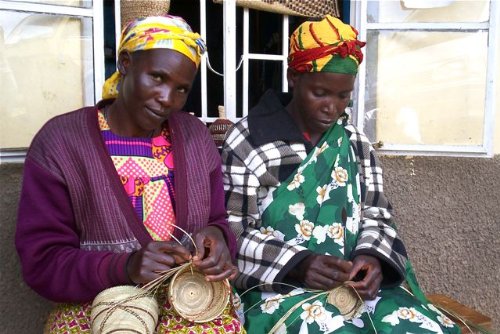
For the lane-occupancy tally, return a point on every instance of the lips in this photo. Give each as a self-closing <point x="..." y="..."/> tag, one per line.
<point x="325" y="122"/>
<point x="156" y="113"/>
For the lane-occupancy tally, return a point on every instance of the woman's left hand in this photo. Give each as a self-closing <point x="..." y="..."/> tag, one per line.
<point x="366" y="276"/>
<point x="213" y="257"/>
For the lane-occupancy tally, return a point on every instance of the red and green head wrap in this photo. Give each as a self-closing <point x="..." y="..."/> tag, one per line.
<point x="328" y="45"/>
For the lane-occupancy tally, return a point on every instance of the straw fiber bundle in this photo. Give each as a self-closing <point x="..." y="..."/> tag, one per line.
<point x="124" y="309"/>
<point x="132" y="9"/>
<point x="194" y="298"/>
<point x="308" y="8"/>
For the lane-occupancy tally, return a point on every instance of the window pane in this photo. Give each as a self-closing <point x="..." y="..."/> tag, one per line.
<point x="426" y="87"/>
<point x="411" y="11"/>
<point x="265" y="33"/>
<point x="46" y="66"/>
<point x="263" y="75"/>
<point x="72" y="3"/>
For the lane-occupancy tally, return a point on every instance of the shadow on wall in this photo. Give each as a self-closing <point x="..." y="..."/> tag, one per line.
<point x="22" y="310"/>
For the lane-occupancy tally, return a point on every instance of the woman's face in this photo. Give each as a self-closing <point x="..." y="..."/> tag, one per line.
<point x="155" y="83"/>
<point x="319" y="99"/>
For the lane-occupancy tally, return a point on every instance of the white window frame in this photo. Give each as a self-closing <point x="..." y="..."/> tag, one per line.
<point x="96" y="14"/>
<point x="359" y="14"/>
<point x="231" y="60"/>
<point x="230" y="66"/>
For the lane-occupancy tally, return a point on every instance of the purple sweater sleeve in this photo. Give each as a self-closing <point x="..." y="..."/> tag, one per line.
<point x="48" y="245"/>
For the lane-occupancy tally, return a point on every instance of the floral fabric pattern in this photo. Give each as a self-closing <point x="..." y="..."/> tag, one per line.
<point x="318" y="207"/>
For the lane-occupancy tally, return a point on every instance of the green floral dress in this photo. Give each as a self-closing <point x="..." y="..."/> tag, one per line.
<point x="318" y="207"/>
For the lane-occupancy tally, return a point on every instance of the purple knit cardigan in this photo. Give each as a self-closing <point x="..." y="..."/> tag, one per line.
<point x="76" y="226"/>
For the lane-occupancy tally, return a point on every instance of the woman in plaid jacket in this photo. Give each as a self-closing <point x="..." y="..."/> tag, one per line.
<point x="304" y="193"/>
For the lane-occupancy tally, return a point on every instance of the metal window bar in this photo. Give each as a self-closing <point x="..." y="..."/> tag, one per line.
<point x="247" y="56"/>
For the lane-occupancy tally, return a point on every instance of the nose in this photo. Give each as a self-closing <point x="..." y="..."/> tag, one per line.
<point x="165" y="97"/>
<point x="331" y="108"/>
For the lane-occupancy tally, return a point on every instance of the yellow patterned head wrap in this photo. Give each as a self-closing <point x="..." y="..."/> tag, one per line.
<point x="156" y="32"/>
<point x="328" y="45"/>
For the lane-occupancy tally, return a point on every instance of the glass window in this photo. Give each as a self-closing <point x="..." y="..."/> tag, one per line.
<point x="46" y="63"/>
<point x="428" y="11"/>
<point x="71" y="3"/>
<point x="425" y="86"/>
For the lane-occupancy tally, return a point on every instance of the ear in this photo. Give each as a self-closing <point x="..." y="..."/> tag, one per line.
<point x="124" y="61"/>
<point x="292" y="76"/>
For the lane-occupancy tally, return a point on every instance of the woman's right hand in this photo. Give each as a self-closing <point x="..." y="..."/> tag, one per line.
<point x="322" y="272"/>
<point x="149" y="262"/>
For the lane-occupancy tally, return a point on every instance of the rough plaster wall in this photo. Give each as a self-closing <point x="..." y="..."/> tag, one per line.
<point x="446" y="209"/>
<point x="21" y="310"/>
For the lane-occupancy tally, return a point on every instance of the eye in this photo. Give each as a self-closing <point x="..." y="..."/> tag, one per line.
<point x="319" y="92"/>
<point x="156" y="77"/>
<point x="183" y="90"/>
<point x="345" y="96"/>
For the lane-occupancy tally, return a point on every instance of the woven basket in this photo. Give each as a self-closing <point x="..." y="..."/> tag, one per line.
<point x="307" y="8"/>
<point x="346" y="301"/>
<point x="219" y="128"/>
<point x="124" y="309"/>
<point x="194" y="298"/>
<point x="132" y="9"/>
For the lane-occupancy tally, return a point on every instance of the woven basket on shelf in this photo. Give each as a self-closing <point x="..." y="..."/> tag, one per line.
<point x="196" y="299"/>
<point x="132" y="9"/>
<point x="308" y="8"/>
<point x="219" y="128"/>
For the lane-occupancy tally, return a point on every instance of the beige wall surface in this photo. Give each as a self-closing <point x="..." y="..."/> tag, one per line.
<point x="496" y="140"/>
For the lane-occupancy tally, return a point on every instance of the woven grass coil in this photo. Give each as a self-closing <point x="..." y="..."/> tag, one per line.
<point x="196" y="299"/>
<point x="132" y="9"/>
<point x="346" y="301"/>
<point x="307" y="8"/>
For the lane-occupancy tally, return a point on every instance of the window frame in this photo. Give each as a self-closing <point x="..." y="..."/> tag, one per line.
<point x="17" y="155"/>
<point x="359" y="19"/>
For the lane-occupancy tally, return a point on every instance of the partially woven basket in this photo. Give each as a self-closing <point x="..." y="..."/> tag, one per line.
<point x="346" y="301"/>
<point x="195" y="299"/>
<point x="132" y="9"/>
<point x="308" y="8"/>
<point x="124" y="309"/>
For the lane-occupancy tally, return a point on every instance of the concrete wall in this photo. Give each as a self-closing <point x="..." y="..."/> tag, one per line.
<point x="446" y="210"/>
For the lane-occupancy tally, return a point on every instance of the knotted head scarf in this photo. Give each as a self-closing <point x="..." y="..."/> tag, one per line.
<point x="156" y="32"/>
<point x="328" y="45"/>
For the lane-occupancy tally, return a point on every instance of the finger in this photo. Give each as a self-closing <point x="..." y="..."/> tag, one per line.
<point x="174" y="249"/>
<point x="321" y="282"/>
<point x="356" y="269"/>
<point x="333" y="274"/>
<point x="222" y="276"/>
<point x="341" y="264"/>
<point x="199" y="240"/>
<point x="215" y="259"/>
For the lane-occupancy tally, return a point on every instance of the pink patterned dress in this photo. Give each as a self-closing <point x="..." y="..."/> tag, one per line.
<point x="146" y="170"/>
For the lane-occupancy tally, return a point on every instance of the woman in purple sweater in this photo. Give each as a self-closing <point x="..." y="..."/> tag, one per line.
<point x="105" y="187"/>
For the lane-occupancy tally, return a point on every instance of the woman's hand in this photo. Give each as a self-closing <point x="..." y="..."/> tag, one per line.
<point x="366" y="276"/>
<point x="213" y="257"/>
<point x="149" y="262"/>
<point x="322" y="272"/>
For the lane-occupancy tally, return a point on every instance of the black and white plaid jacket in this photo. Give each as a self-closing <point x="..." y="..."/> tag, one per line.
<point x="260" y="152"/>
